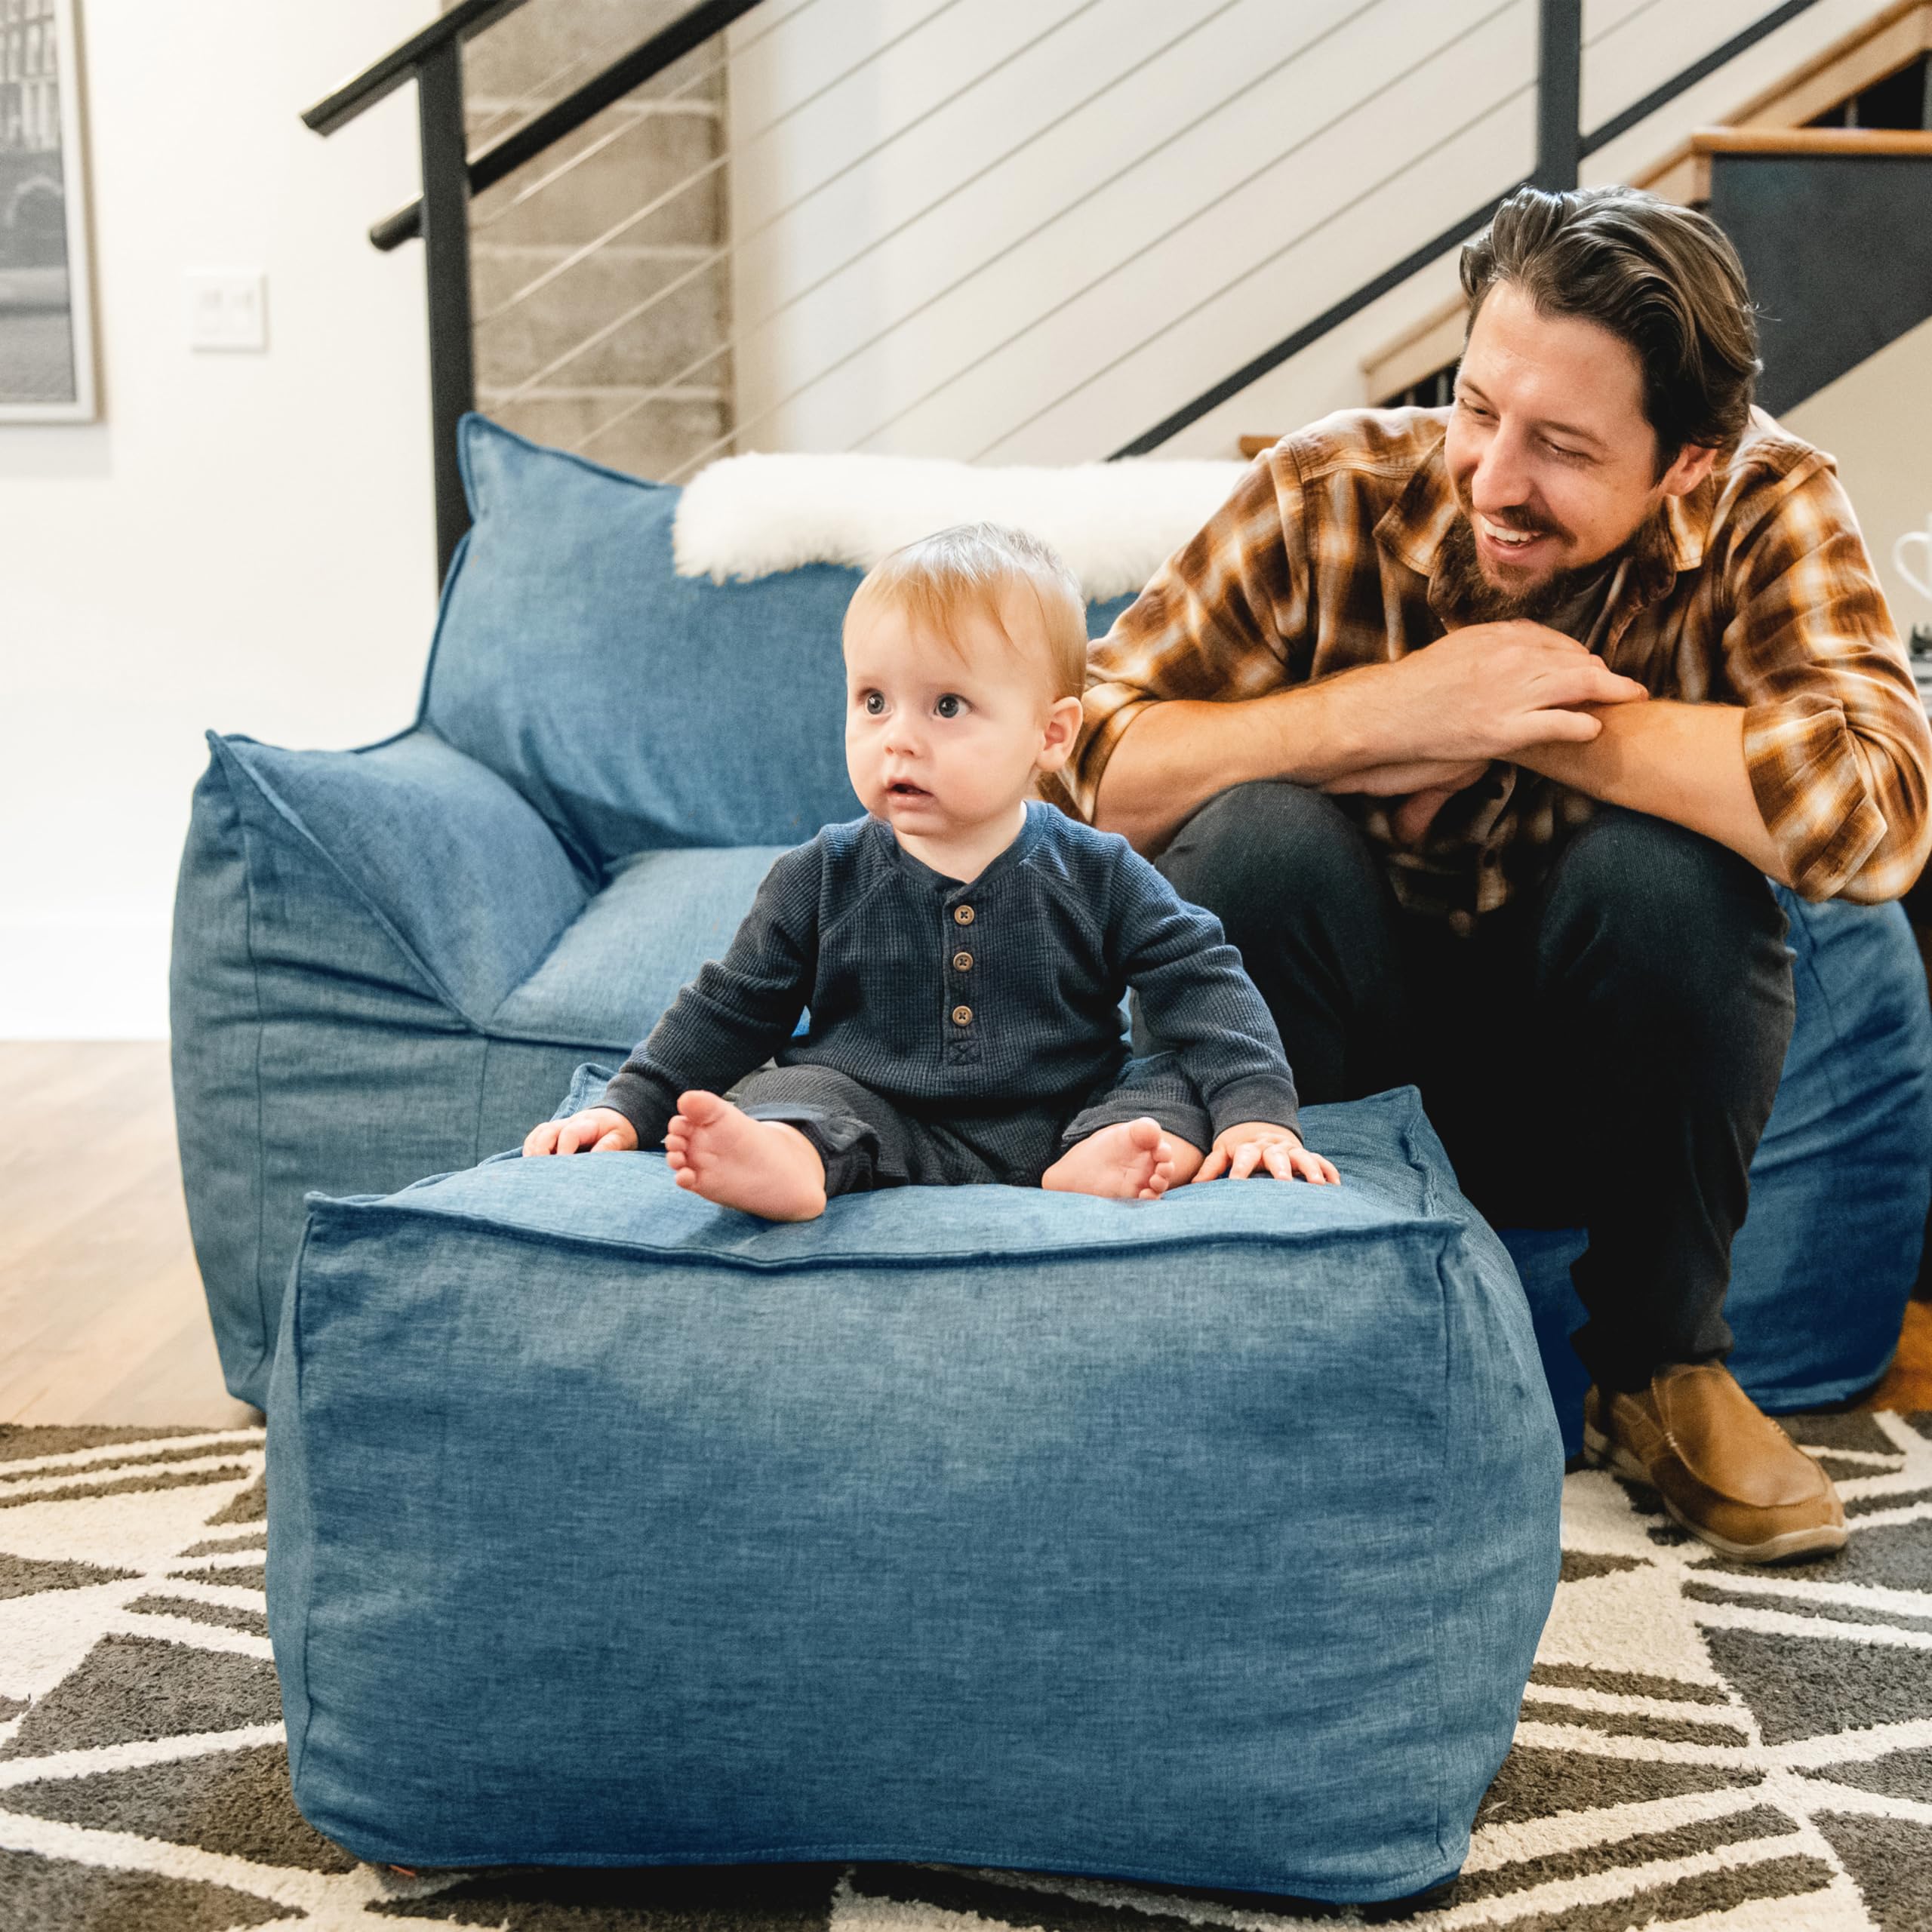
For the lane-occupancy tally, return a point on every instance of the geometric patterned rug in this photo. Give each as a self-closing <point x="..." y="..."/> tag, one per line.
<point x="1702" y="1746"/>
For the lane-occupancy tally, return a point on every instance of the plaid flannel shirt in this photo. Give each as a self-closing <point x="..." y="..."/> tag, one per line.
<point x="1755" y="590"/>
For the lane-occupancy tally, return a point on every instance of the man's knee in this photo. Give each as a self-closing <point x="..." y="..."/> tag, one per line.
<point x="1655" y="902"/>
<point x="1269" y="843"/>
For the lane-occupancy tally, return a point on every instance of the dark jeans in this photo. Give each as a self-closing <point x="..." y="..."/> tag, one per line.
<point x="1604" y="1052"/>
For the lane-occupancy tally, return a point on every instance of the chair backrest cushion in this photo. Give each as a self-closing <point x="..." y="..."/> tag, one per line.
<point x="636" y="710"/>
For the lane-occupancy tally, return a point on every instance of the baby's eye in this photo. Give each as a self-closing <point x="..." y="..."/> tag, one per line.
<point x="874" y="704"/>
<point x="950" y="704"/>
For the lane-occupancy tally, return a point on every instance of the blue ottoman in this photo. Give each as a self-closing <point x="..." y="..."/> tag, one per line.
<point x="1204" y="1541"/>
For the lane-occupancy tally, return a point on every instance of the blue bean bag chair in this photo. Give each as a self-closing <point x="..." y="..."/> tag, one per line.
<point x="388" y="961"/>
<point x="1205" y="1541"/>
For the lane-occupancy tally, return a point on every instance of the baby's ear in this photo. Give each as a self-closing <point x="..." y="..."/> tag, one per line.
<point x="1062" y="727"/>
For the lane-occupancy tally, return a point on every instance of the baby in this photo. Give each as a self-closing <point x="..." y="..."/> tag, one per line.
<point x="962" y="950"/>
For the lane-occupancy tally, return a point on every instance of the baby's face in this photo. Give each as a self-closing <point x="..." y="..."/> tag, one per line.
<point x="940" y="740"/>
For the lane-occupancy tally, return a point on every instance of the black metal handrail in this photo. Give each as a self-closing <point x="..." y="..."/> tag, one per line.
<point x="642" y="63"/>
<point x="400" y="64"/>
<point x="433" y="60"/>
<point x="1561" y="148"/>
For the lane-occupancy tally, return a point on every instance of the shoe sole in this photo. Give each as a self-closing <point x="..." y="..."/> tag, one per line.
<point x="1820" y="1541"/>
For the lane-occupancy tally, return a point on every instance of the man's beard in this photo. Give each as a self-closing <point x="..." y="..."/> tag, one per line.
<point x="1465" y="593"/>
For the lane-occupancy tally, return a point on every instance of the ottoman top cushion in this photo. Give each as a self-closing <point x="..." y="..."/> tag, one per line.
<point x="1395" y="1181"/>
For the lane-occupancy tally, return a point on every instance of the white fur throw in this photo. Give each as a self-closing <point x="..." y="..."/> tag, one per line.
<point x="1114" y="523"/>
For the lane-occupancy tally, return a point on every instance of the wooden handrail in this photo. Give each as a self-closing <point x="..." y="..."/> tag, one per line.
<point x="1811" y="140"/>
<point x="1859" y="143"/>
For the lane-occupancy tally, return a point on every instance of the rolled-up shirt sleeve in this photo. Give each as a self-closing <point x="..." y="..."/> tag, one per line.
<point x="1836" y="744"/>
<point x="1209" y="625"/>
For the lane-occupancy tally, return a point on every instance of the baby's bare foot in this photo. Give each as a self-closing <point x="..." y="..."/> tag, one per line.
<point x="762" y="1167"/>
<point x="1131" y="1161"/>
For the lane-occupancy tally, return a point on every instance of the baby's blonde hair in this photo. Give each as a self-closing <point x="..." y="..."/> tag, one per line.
<point x="976" y="567"/>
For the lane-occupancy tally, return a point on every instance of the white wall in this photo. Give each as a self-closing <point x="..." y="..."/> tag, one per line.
<point x="243" y="542"/>
<point x="1074" y="285"/>
<point x="1874" y="419"/>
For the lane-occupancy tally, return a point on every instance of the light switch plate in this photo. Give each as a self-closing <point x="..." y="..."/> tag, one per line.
<point x="227" y="308"/>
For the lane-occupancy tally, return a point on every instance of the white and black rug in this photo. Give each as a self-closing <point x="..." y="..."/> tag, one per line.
<point x="1702" y="1746"/>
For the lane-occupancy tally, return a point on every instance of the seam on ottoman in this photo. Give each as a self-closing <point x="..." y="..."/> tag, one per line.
<point x="297" y="1747"/>
<point x="347" y="1212"/>
<point x="267" y="1355"/>
<point x="1439" y="1750"/>
<point x="1408" y="1881"/>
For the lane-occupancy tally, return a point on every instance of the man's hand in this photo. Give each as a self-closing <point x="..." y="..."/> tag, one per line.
<point x="1488" y="691"/>
<point x="1254" y="1145"/>
<point x="1424" y="788"/>
<point x="594" y="1130"/>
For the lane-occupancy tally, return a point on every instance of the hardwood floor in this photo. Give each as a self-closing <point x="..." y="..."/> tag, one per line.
<point x="101" y="1314"/>
<point x="102" y="1319"/>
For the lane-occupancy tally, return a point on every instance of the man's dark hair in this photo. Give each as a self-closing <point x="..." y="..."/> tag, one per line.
<point x="1664" y="278"/>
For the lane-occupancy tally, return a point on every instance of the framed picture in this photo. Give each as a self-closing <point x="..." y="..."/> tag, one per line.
<point x="47" y="362"/>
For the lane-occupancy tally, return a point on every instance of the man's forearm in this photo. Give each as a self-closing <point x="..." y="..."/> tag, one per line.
<point x="1683" y="762"/>
<point x="1178" y="754"/>
<point x="1480" y="693"/>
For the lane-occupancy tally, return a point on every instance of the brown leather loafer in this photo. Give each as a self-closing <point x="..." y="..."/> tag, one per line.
<point x="1725" y="1471"/>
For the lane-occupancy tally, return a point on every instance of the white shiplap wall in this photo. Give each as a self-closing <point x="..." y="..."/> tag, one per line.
<point x="1026" y="230"/>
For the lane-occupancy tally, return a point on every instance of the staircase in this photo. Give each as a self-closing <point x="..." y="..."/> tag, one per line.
<point x="1014" y="230"/>
<point x="1836" y="156"/>
<point x="599" y="273"/>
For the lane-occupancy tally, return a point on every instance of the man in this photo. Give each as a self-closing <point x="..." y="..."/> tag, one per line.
<point x="1524" y="866"/>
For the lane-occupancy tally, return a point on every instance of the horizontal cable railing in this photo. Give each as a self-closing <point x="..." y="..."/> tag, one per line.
<point x="1164" y="51"/>
<point x="748" y="332"/>
<point x="573" y="371"/>
<point x="716" y="256"/>
<point x="432" y="59"/>
<point x="1547" y="175"/>
<point x="663" y="49"/>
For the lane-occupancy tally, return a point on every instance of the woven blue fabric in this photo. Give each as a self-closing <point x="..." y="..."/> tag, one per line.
<point x="971" y="1525"/>
<point x="632" y="707"/>
<point x="1818" y="1285"/>
<point x="384" y="966"/>
<point x="382" y="970"/>
<point x="334" y="969"/>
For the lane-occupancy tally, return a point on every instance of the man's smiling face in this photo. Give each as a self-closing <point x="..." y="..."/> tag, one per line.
<point x="1552" y="460"/>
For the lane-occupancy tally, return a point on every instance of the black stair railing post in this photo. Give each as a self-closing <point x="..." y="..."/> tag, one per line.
<point x="1559" y="95"/>
<point x="446" y="263"/>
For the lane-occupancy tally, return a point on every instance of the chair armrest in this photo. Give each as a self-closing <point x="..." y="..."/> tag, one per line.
<point x="345" y="923"/>
<point x="470" y="886"/>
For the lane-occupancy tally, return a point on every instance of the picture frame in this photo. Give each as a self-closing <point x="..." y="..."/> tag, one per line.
<point x="48" y="371"/>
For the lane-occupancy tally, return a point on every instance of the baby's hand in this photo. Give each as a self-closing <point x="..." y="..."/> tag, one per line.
<point x="1257" y="1145"/>
<point x="595" y="1130"/>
